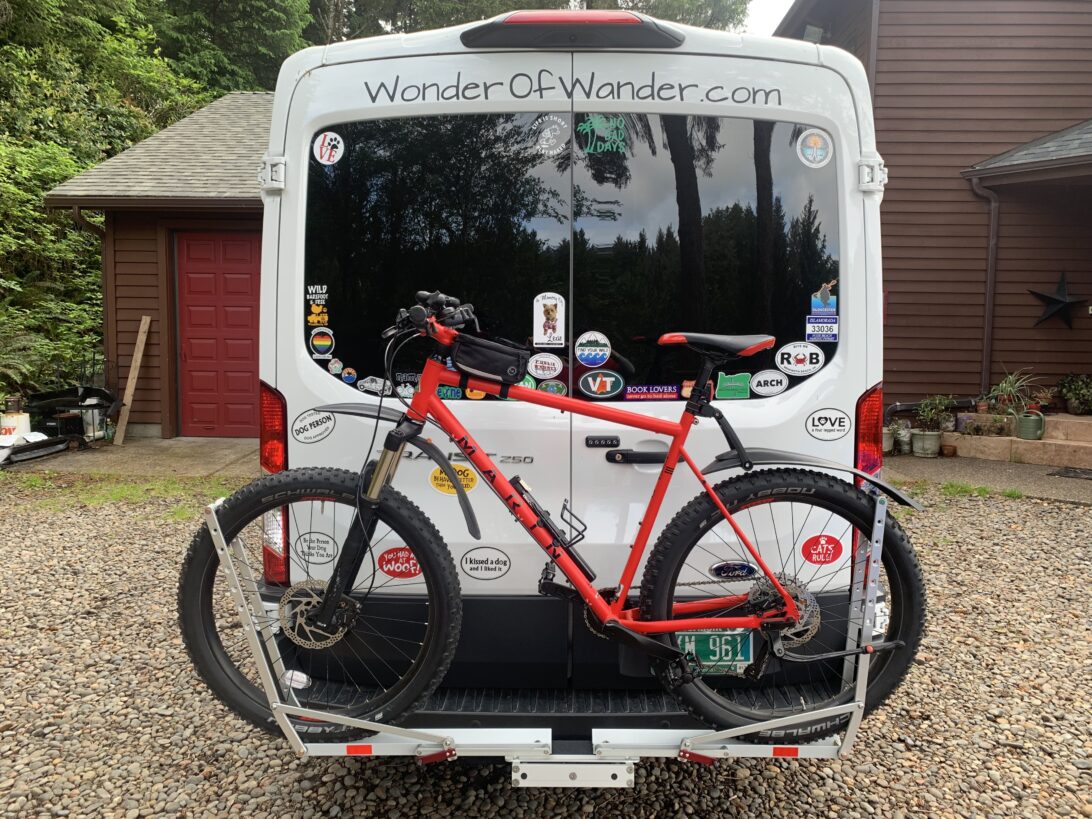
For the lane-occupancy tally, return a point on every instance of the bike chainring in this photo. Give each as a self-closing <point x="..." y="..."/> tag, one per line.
<point x="301" y="600"/>
<point x="763" y="596"/>
<point x="591" y="621"/>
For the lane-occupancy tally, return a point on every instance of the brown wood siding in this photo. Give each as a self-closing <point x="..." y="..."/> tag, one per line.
<point x="957" y="83"/>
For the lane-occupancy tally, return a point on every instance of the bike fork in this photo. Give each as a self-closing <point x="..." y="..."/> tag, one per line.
<point x="358" y="540"/>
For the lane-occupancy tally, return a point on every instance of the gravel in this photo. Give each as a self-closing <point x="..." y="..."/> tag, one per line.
<point x="101" y="714"/>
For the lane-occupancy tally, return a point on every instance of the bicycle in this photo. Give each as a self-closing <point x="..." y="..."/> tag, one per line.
<point x="358" y="636"/>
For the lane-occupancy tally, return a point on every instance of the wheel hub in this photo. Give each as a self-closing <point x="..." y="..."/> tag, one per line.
<point x="763" y="596"/>
<point x="296" y="607"/>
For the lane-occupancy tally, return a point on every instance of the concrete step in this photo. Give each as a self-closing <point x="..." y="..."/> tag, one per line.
<point x="1003" y="448"/>
<point x="1068" y="428"/>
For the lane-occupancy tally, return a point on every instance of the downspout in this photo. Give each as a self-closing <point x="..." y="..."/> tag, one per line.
<point x="991" y="282"/>
<point x="873" y="43"/>
<point x="83" y="224"/>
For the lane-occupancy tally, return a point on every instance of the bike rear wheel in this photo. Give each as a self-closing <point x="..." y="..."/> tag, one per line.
<point x="806" y="526"/>
<point x="401" y="616"/>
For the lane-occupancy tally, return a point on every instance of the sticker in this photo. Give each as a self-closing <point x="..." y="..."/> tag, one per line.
<point x="399" y="562"/>
<point x="312" y="426"/>
<point x="405" y="391"/>
<point x="348" y="375"/>
<point x="549" y="320"/>
<point x="439" y="480"/>
<point x="828" y="424"/>
<point x="732" y="570"/>
<point x="315" y="548"/>
<point x="407" y="378"/>
<point x="800" y="358"/>
<point x="485" y="563"/>
<point x="544" y="365"/>
<point x="592" y="349"/>
<point x="769" y="382"/>
<point x="380" y="386"/>
<point x="335" y="366"/>
<point x="733" y="386"/>
<point x="821" y="549"/>
<point x="555" y="387"/>
<point x="317" y="316"/>
<point x="449" y="393"/>
<point x="814" y="148"/>
<point x="328" y="147"/>
<point x="475" y="395"/>
<point x="552" y="132"/>
<point x="602" y="383"/>
<point x="688" y="387"/>
<point x="322" y="342"/>
<point x="821" y="328"/>
<point x="603" y="134"/>
<point x="652" y="392"/>
<point x="316" y="294"/>
<point x="823" y="301"/>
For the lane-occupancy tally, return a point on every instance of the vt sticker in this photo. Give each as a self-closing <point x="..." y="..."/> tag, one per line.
<point x="601" y="384"/>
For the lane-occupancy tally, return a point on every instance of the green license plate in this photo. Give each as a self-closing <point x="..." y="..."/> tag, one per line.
<point x="724" y="651"/>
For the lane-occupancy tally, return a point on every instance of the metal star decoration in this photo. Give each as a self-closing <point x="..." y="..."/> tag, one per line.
<point x="1058" y="303"/>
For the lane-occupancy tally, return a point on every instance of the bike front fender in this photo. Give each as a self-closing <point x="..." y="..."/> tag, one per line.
<point x="430" y="449"/>
<point x="776" y="457"/>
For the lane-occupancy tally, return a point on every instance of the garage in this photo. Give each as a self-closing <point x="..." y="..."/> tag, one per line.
<point x="182" y="244"/>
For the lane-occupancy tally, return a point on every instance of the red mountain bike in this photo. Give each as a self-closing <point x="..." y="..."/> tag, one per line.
<point x="743" y="610"/>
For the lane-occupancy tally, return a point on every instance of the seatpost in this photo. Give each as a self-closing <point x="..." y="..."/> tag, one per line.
<point x="698" y="395"/>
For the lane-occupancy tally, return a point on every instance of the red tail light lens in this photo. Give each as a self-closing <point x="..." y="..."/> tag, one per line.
<point x="273" y="447"/>
<point x="868" y="449"/>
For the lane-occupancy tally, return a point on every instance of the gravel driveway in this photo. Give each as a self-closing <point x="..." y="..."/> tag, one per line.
<point x="100" y="713"/>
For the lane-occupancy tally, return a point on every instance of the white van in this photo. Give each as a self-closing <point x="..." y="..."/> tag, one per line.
<point x="588" y="187"/>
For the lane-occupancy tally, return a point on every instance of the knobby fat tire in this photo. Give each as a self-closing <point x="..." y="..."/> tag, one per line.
<point x="674" y="545"/>
<point x="268" y="493"/>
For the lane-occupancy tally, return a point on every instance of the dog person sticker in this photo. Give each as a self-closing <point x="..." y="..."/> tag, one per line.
<point x="328" y="147"/>
<point x="549" y="320"/>
<point x="313" y="426"/>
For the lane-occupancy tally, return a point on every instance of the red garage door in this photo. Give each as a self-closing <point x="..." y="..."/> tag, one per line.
<point x="218" y="333"/>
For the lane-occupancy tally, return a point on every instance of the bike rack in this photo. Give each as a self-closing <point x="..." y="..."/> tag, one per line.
<point x="615" y="751"/>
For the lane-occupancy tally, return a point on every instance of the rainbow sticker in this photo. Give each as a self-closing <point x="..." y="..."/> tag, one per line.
<point x="322" y="342"/>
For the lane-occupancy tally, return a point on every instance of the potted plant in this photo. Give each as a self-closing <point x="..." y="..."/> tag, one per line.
<point x="1011" y="392"/>
<point x="983" y="405"/>
<point x="1042" y="399"/>
<point x="889" y="438"/>
<point x="1075" y="390"/>
<point x="932" y="413"/>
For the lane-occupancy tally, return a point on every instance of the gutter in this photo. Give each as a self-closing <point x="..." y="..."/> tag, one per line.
<point x="83" y="224"/>
<point x="991" y="281"/>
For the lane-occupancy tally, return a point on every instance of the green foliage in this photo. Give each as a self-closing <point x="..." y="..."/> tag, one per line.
<point x="1077" y="388"/>
<point x="933" y="412"/>
<point x="956" y="489"/>
<point x="1011" y="392"/>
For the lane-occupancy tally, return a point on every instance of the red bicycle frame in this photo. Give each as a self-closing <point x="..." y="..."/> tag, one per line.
<point x="427" y="404"/>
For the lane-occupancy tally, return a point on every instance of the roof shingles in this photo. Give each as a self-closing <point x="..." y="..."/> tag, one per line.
<point x="1073" y="144"/>
<point x="213" y="155"/>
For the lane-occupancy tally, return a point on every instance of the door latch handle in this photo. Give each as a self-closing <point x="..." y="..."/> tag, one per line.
<point x="633" y="456"/>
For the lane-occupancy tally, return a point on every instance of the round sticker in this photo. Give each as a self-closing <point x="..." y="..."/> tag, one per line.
<point x="544" y="365"/>
<point x="552" y="134"/>
<point x="800" y="358"/>
<point x="556" y="387"/>
<point x="312" y="426"/>
<point x="814" y="148"/>
<point x="592" y="349"/>
<point x="322" y="342"/>
<point x="528" y="382"/>
<point x="769" y="382"/>
<point x="441" y="483"/>
<point x="821" y="549"/>
<point x="335" y="366"/>
<point x="485" y="563"/>
<point x="399" y="562"/>
<point x="315" y="548"/>
<point x="828" y="424"/>
<point x="601" y="383"/>
<point x="328" y="147"/>
<point x="348" y="375"/>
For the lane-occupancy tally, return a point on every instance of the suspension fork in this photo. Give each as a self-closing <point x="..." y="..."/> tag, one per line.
<point x="359" y="538"/>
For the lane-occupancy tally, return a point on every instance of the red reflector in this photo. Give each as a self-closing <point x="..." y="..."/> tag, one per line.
<point x="868" y="448"/>
<point x="358" y="750"/>
<point x="785" y="751"/>
<point x="567" y="17"/>
<point x="275" y="546"/>
<point x="273" y="445"/>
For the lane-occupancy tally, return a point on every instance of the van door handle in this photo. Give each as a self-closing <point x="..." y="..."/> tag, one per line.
<point x="633" y="456"/>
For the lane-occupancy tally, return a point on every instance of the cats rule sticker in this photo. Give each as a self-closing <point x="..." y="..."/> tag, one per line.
<point x="549" y="320"/>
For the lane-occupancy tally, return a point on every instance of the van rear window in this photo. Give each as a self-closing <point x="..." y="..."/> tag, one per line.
<point x="586" y="236"/>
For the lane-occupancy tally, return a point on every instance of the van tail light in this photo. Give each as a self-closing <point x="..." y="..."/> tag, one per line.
<point x="572" y="28"/>
<point x="273" y="447"/>
<point x="868" y="447"/>
<point x="275" y="546"/>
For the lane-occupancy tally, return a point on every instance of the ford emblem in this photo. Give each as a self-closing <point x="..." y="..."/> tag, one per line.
<point x="730" y="570"/>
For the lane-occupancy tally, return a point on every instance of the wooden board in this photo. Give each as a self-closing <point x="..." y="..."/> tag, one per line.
<point x="130" y="382"/>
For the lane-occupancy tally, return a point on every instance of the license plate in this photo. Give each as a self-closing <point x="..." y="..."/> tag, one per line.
<point x="723" y="651"/>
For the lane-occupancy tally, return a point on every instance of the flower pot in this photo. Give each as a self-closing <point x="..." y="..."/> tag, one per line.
<point x="926" y="444"/>
<point x="888" y="441"/>
<point x="902" y="438"/>
<point x="982" y="407"/>
<point x="1029" y="425"/>
<point x="1073" y="406"/>
<point x="948" y="450"/>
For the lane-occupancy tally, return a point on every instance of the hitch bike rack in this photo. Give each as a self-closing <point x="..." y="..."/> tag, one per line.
<point x="529" y="750"/>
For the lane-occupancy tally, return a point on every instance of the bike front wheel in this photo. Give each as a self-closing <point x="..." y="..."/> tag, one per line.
<point x="808" y="528"/>
<point x="398" y="624"/>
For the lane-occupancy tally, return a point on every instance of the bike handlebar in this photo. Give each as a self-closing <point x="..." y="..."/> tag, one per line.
<point x="446" y="310"/>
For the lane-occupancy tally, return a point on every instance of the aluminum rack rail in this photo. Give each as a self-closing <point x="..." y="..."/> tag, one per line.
<point x="529" y="750"/>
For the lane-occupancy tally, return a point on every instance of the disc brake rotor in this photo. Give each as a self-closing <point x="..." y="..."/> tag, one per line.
<point x="296" y="604"/>
<point x="763" y="595"/>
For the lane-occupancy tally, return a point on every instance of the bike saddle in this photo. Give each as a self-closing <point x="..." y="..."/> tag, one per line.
<point x="720" y="345"/>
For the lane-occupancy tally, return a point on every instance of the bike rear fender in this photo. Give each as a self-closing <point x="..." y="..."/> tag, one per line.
<point x="776" y="457"/>
<point x="394" y="416"/>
